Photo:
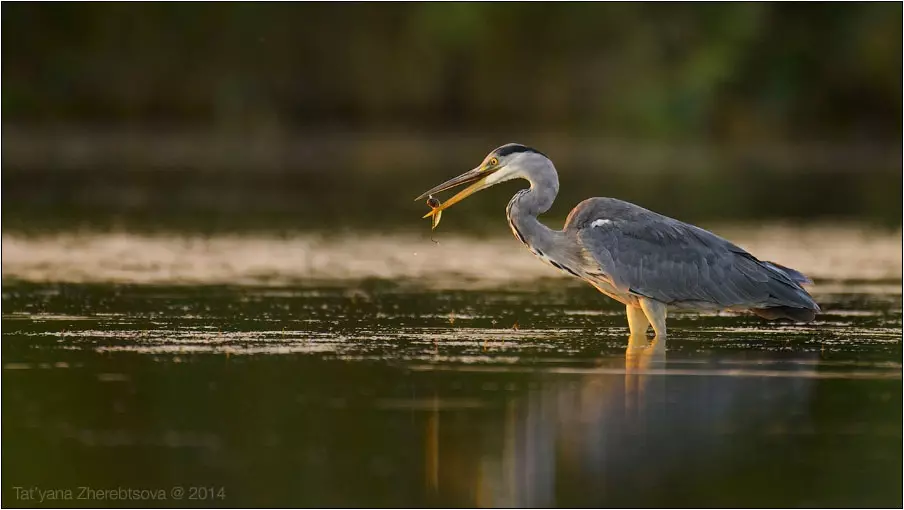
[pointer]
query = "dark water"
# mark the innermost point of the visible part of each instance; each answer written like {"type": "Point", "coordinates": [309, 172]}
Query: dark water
{"type": "Point", "coordinates": [380, 394]}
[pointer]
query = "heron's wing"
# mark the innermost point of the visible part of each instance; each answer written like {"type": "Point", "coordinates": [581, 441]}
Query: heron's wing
{"type": "Point", "coordinates": [655, 256]}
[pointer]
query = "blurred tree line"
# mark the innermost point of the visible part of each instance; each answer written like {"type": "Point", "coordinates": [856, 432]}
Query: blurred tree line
{"type": "Point", "coordinates": [724, 72]}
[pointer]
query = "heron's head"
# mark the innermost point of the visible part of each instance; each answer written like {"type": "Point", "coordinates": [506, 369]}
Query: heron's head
{"type": "Point", "coordinates": [505, 163]}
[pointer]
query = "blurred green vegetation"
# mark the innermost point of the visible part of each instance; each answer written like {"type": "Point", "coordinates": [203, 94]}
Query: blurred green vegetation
{"type": "Point", "coordinates": [326, 115]}
{"type": "Point", "coordinates": [738, 71]}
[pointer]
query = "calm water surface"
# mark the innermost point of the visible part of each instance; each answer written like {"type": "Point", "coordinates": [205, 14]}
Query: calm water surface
{"type": "Point", "coordinates": [383, 388]}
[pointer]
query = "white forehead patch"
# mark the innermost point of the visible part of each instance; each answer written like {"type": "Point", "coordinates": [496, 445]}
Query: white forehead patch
{"type": "Point", "coordinates": [600, 223]}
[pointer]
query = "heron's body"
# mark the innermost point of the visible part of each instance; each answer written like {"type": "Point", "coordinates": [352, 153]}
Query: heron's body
{"type": "Point", "coordinates": [646, 261]}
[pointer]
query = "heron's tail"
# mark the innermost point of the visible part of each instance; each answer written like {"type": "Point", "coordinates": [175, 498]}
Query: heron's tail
{"type": "Point", "coordinates": [798, 306]}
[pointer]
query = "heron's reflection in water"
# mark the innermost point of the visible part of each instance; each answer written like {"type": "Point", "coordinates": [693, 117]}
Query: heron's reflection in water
{"type": "Point", "coordinates": [561, 426]}
{"type": "Point", "coordinates": [642, 355]}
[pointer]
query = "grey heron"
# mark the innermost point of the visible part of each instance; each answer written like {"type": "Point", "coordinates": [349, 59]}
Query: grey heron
{"type": "Point", "coordinates": [647, 261]}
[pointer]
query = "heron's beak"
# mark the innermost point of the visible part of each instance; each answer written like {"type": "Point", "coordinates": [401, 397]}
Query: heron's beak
{"type": "Point", "coordinates": [477, 176]}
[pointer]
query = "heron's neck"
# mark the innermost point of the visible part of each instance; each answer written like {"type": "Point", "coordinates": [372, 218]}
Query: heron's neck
{"type": "Point", "coordinates": [527, 204]}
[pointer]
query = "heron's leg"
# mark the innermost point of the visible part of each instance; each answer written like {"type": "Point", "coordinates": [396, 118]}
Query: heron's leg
{"type": "Point", "coordinates": [637, 321]}
{"type": "Point", "coordinates": [656, 313]}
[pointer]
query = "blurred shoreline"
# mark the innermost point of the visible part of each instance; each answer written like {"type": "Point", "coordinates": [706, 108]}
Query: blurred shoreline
{"type": "Point", "coordinates": [826, 253]}
{"type": "Point", "coordinates": [271, 149]}
{"type": "Point", "coordinates": [276, 180]}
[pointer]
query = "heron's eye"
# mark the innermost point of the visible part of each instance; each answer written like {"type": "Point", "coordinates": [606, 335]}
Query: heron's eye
{"type": "Point", "coordinates": [494, 161]}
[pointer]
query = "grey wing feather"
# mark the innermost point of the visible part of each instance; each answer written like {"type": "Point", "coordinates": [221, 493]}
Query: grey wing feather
{"type": "Point", "coordinates": [655, 256]}
{"type": "Point", "coordinates": [794, 274]}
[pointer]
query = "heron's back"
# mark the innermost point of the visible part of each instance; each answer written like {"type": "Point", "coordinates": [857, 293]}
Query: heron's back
{"type": "Point", "coordinates": [651, 255]}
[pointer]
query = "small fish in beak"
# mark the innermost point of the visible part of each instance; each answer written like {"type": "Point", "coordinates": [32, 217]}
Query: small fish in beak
{"type": "Point", "coordinates": [476, 177]}
{"type": "Point", "coordinates": [436, 213]}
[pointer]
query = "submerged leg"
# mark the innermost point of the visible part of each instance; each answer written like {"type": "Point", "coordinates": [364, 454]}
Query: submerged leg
{"type": "Point", "coordinates": [656, 313]}
{"type": "Point", "coordinates": [637, 321]}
